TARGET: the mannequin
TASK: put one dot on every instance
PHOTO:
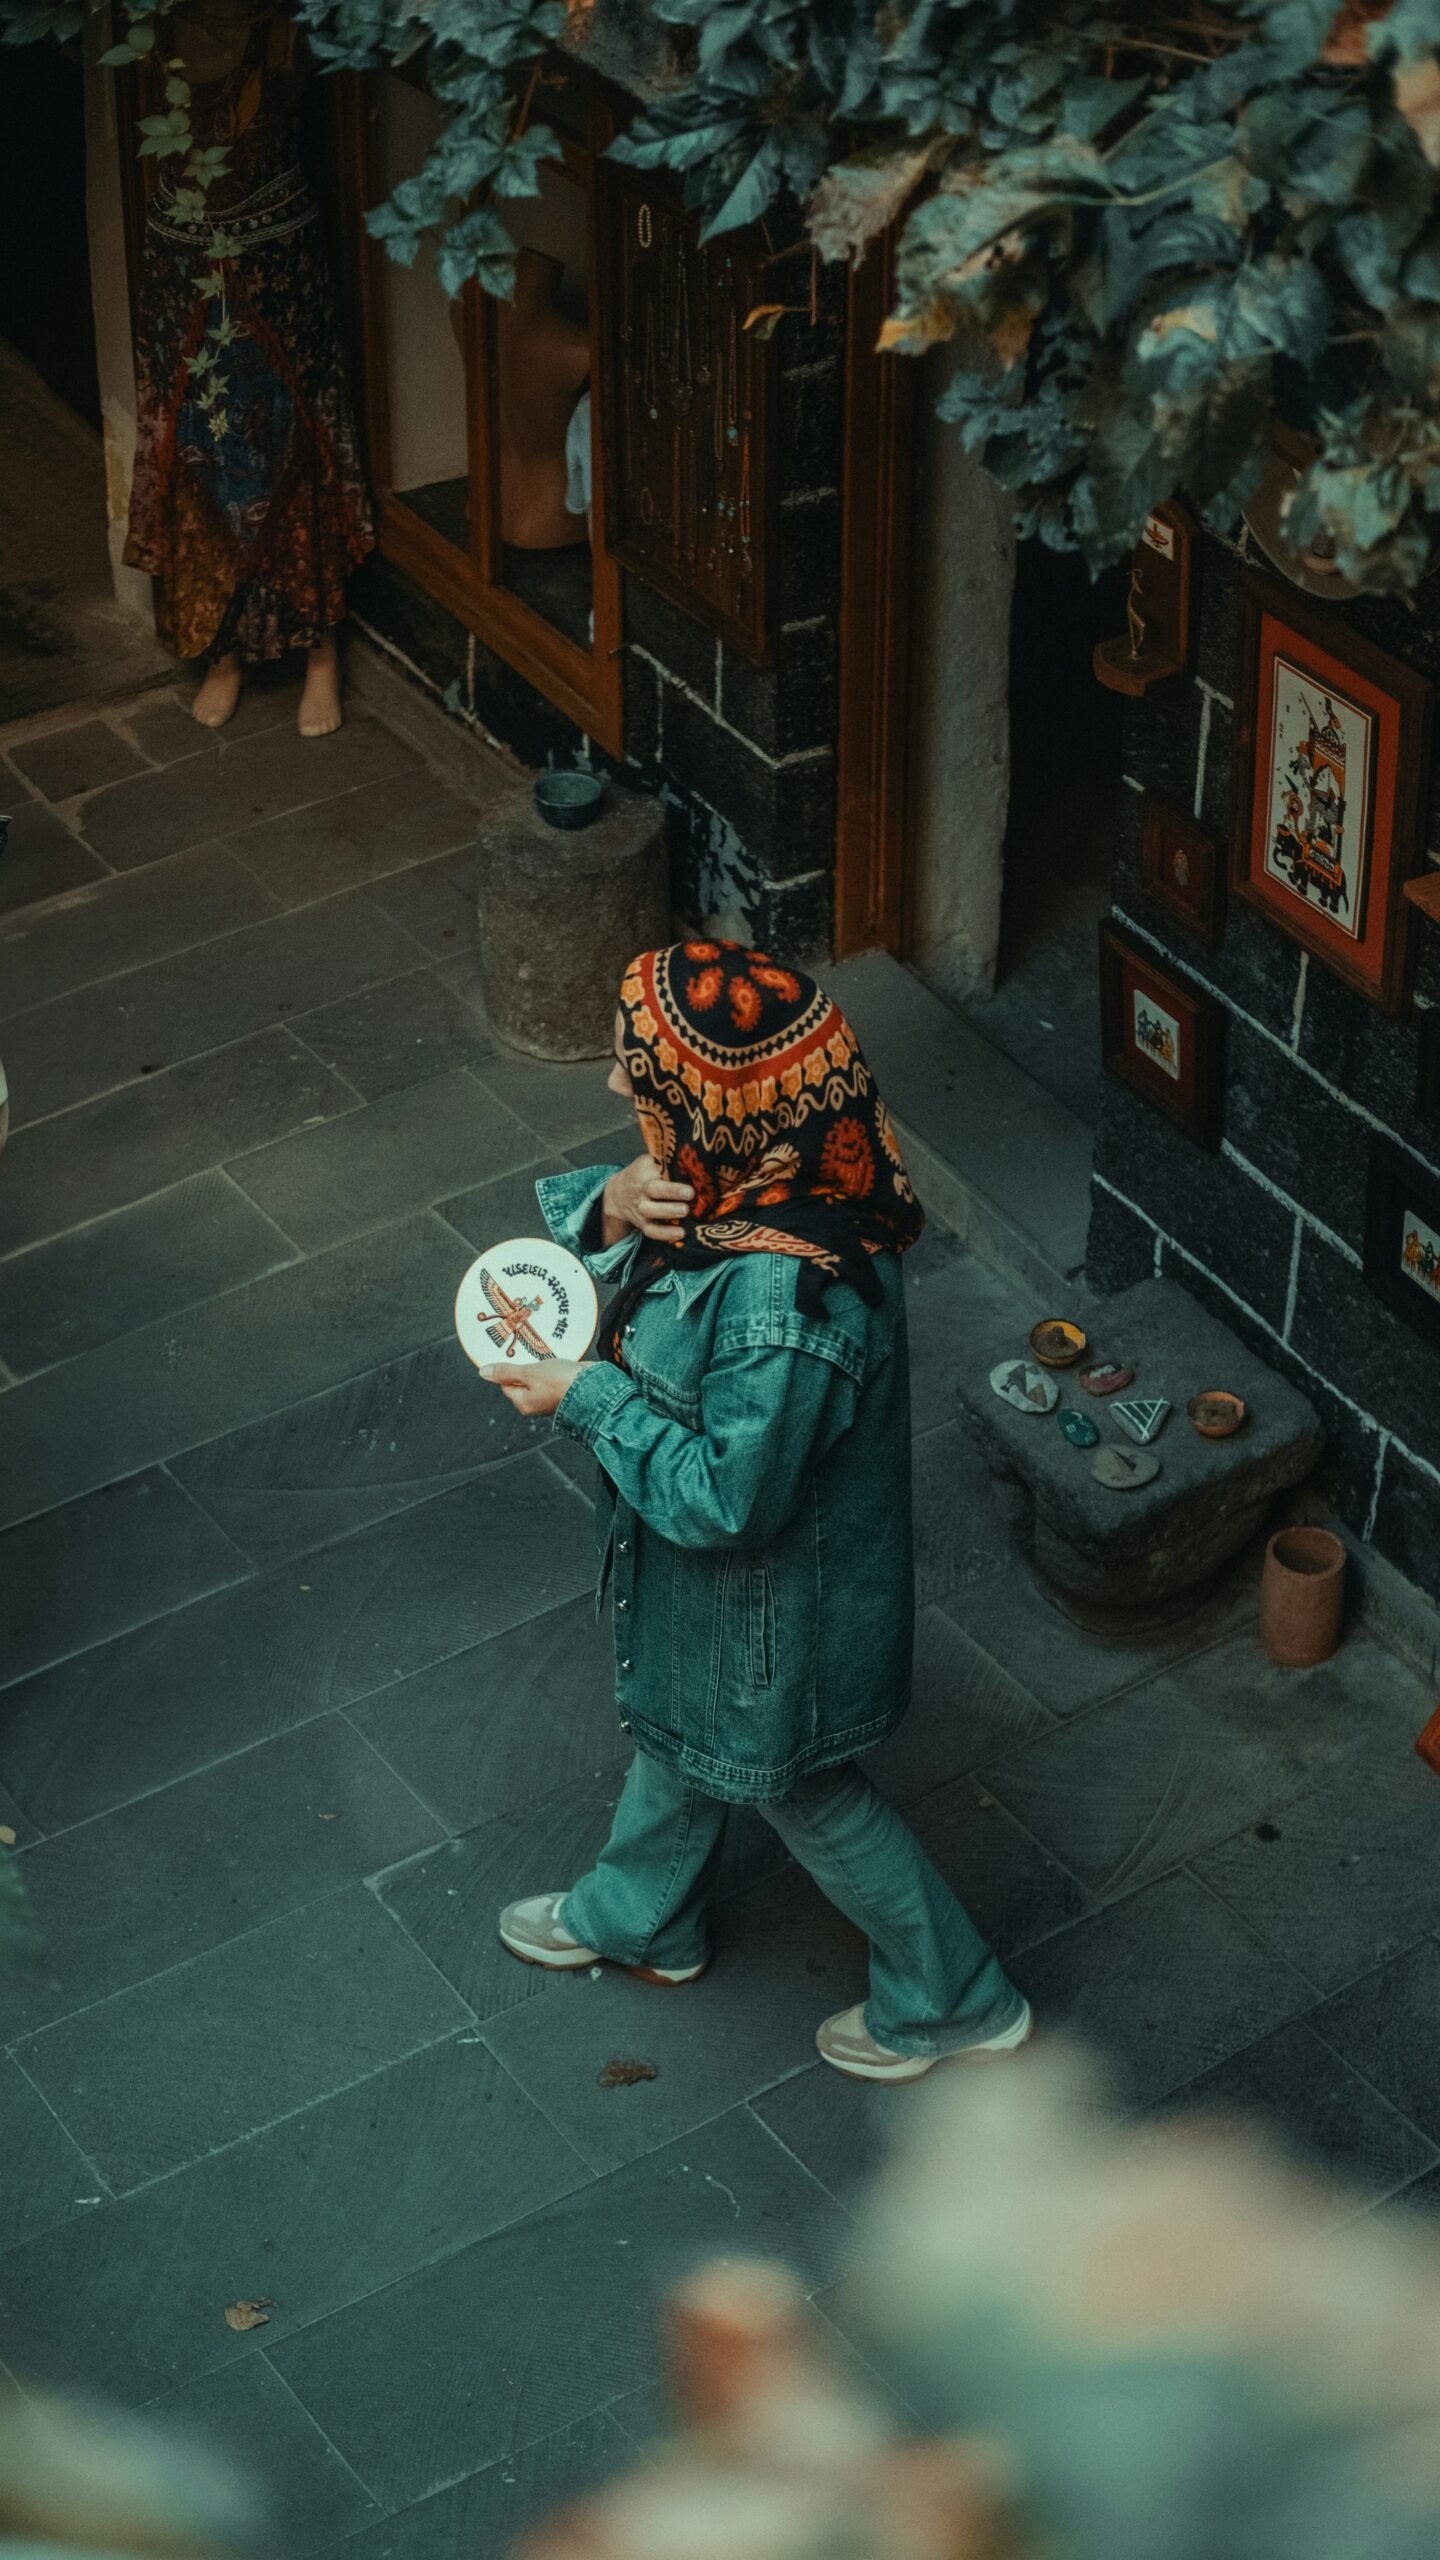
(543, 362)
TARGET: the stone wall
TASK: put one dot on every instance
(743, 756)
(1270, 1231)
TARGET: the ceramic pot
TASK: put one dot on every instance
(1302, 1592)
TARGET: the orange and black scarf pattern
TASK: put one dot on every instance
(751, 1086)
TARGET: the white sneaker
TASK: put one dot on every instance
(844, 2042)
(533, 1931)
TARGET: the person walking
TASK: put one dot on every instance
(750, 1415)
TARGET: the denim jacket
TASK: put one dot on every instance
(753, 1517)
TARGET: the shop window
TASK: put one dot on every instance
(485, 434)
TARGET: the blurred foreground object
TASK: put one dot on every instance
(75, 2476)
(1132, 2342)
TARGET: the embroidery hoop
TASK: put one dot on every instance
(498, 1297)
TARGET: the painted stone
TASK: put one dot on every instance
(1079, 1430)
(1143, 1417)
(1020, 1383)
(1123, 1469)
(1106, 1378)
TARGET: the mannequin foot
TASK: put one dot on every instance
(320, 713)
(215, 702)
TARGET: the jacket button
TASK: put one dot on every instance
(624, 1724)
(624, 1546)
(622, 1604)
(627, 1664)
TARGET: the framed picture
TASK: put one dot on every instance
(1181, 867)
(1334, 743)
(1402, 1236)
(1427, 1078)
(1160, 1035)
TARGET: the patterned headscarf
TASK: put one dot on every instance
(751, 1086)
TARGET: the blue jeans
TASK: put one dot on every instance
(934, 1984)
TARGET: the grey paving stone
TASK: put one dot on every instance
(397, 1034)
(388, 1157)
(162, 1879)
(840, 2130)
(168, 1252)
(323, 2208)
(114, 925)
(165, 731)
(305, 2496)
(1163, 1986)
(176, 1008)
(13, 787)
(1295, 2087)
(484, 2514)
(434, 902)
(342, 1460)
(1150, 1779)
(959, 1536)
(588, 2272)
(1015, 1893)
(251, 2031)
(461, 975)
(1385, 2025)
(46, 2181)
(450, 1900)
(62, 762)
(1059, 1663)
(42, 859)
(566, 1104)
(140, 821)
(1348, 1881)
(506, 1723)
(619, 1145)
(784, 1959)
(964, 1710)
(290, 1645)
(495, 1210)
(362, 835)
(575, 1463)
(104, 1154)
(72, 1577)
(192, 1376)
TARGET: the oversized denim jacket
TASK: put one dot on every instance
(753, 1516)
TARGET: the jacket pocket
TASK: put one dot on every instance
(760, 1612)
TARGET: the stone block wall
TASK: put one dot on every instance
(742, 756)
(1270, 1231)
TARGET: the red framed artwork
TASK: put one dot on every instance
(1160, 1035)
(1334, 742)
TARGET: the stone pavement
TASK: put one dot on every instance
(302, 1681)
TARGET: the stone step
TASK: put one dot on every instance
(998, 1158)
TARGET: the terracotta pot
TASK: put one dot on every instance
(1302, 1592)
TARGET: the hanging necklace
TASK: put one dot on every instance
(702, 370)
(732, 429)
(744, 509)
(682, 365)
(649, 385)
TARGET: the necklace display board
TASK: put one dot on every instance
(688, 479)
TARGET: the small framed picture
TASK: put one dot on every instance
(1334, 740)
(1181, 867)
(1402, 1236)
(1427, 1076)
(1160, 1035)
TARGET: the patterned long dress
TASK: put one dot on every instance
(249, 502)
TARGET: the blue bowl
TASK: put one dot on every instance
(569, 799)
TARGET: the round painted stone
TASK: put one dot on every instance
(1106, 1378)
(526, 1300)
(1079, 1430)
(1020, 1383)
(1123, 1469)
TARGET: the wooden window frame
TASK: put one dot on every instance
(584, 683)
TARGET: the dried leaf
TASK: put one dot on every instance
(914, 334)
(855, 201)
(1417, 95)
(624, 2075)
(765, 319)
(1346, 43)
(249, 2315)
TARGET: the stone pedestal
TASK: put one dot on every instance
(1117, 1562)
(561, 915)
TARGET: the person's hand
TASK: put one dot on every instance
(538, 1387)
(640, 1197)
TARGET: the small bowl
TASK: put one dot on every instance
(1216, 1414)
(569, 799)
(1057, 1343)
